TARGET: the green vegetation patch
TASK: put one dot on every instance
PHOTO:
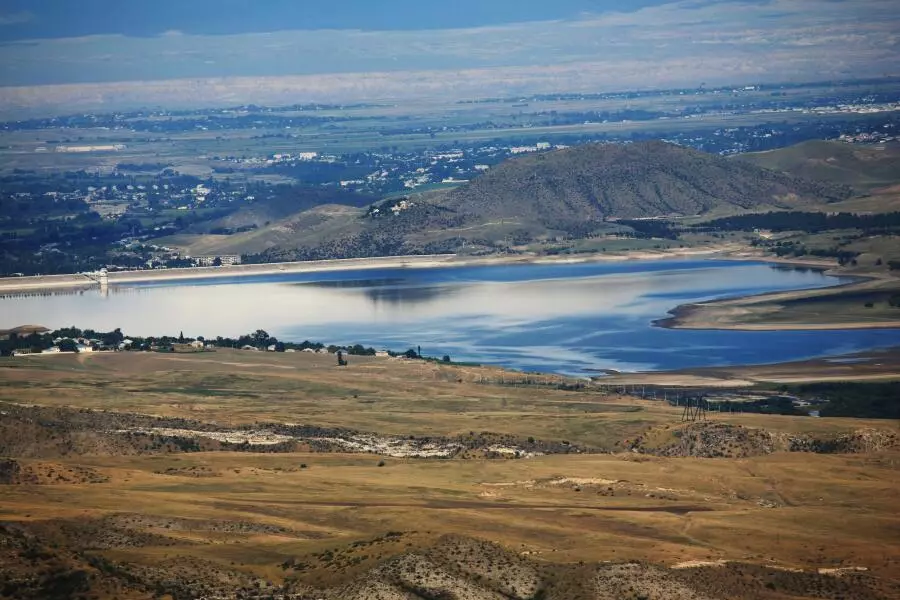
(844, 399)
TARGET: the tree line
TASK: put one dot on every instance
(808, 222)
(259, 339)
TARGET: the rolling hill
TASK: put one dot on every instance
(305, 228)
(865, 168)
(283, 202)
(571, 192)
(647, 179)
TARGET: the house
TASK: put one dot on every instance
(271, 348)
(382, 353)
(249, 347)
(198, 345)
(309, 351)
(322, 351)
(84, 348)
(125, 344)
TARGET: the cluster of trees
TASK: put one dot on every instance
(775, 405)
(259, 339)
(38, 342)
(653, 228)
(808, 222)
(844, 399)
(790, 248)
(262, 340)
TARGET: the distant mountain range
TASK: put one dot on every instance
(570, 192)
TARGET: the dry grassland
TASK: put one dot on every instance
(327, 519)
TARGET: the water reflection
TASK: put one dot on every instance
(567, 318)
(408, 295)
(71, 291)
(392, 290)
(354, 283)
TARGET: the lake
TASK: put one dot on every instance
(566, 318)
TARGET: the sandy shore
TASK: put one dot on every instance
(838, 307)
(869, 366)
(80, 280)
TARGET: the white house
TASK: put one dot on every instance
(198, 344)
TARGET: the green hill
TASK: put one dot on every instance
(274, 204)
(864, 167)
(598, 181)
(569, 192)
(308, 228)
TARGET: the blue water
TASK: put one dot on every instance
(568, 318)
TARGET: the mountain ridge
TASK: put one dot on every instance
(571, 192)
(596, 182)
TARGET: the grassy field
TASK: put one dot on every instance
(226, 517)
(387, 396)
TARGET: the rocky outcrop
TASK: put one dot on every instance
(722, 440)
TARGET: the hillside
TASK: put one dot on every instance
(570, 192)
(597, 181)
(256, 475)
(305, 228)
(864, 168)
(283, 202)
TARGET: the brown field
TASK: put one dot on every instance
(863, 305)
(320, 520)
(876, 365)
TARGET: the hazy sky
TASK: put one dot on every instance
(74, 18)
(471, 47)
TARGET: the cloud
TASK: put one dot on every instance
(16, 18)
(676, 44)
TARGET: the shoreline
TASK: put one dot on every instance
(721, 314)
(766, 311)
(866, 366)
(425, 261)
